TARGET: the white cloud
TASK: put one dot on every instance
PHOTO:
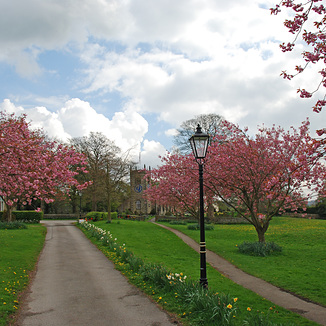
(170, 60)
(171, 132)
(151, 152)
(77, 118)
(9, 107)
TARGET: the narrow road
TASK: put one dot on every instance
(268, 291)
(75, 284)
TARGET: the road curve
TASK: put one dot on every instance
(75, 284)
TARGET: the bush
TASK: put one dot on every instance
(262, 249)
(96, 216)
(197, 227)
(192, 221)
(164, 220)
(99, 216)
(178, 223)
(25, 216)
(12, 225)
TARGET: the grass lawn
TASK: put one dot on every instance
(155, 244)
(301, 268)
(19, 251)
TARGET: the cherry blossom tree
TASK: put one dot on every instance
(175, 184)
(33, 168)
(259, 177)
(262, 176)
(312, 15)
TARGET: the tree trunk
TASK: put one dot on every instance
(210, 211)
(261, 235)
(94, 202)
(261, 229)
(109, 205)
(7, 213)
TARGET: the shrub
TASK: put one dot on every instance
(96, 216)
(99, 216)
(12, 225)
(197, 227)
(164, 220)
(192, 221)
(25, 216)
(114, 215)
(178, 223)
(262, 249)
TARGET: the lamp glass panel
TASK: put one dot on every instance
(201, 146)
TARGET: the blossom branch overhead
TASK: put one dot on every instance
(314, 38)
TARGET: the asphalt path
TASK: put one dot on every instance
(75, 284)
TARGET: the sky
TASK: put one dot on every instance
(136, 69)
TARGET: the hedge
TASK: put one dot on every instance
(25, 216)
(97, 216)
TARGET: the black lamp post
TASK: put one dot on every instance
(199, 143)
(80, 198)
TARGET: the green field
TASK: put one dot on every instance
(155, 244)
(301, 268)
(18, 255)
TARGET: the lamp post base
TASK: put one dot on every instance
(203, 282)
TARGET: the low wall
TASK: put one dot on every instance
(61, 216)
(133, 217)
(215, 219)
(229, 220)
(302, 215)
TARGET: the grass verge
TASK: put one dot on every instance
(153, 244)
(19, 251)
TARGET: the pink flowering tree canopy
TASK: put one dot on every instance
(32, 168)
(308, 23)
(175, 184)
(261, 176)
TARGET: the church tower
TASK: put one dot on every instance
(138, 183)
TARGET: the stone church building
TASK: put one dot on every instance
(138, 183)
(137, 203)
